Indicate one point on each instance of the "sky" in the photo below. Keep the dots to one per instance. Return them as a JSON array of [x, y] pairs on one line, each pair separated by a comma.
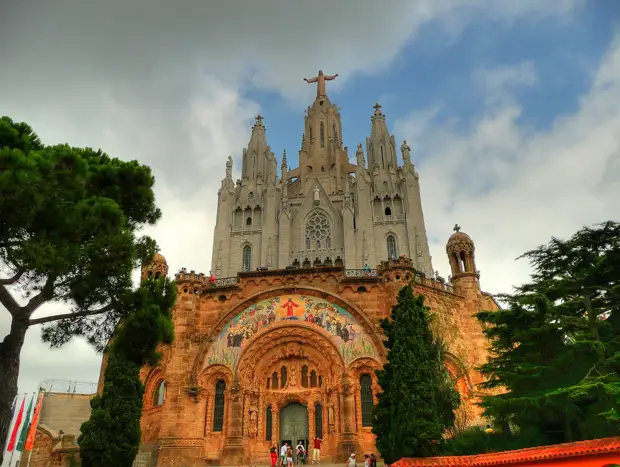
[[511, 109]]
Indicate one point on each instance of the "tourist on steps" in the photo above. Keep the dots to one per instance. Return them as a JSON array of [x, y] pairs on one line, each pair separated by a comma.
[[283, 451], [274, 456], [316, 453], [289, 457], [351, 461], [301, 453]]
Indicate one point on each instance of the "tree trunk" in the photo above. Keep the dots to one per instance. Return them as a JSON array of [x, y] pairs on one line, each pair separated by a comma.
[[10, 350]]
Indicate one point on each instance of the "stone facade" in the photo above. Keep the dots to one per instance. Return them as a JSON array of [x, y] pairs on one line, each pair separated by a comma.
[[251, 350], [282, 340], [328, 211]]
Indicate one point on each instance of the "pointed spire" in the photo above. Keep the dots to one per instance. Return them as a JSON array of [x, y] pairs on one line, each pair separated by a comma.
[[284, 164], [259, 123], [377, 108]]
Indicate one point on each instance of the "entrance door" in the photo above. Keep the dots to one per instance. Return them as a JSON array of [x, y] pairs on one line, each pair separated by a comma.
[[294, 426]]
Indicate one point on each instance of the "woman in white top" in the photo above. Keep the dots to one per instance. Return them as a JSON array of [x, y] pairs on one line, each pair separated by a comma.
[[351, 461]]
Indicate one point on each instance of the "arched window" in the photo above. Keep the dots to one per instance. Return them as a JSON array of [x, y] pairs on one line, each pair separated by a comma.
[[391, 247], [268, 382], [318, 420], [322, 135], [328, 242], [366, 398], [254, 166], [313, 379], [385, 187], [320, 381], [274, 380], [218, 406], [160, 393], [247, 258], [388, 211], [310, 132], [304, 376], [248, 221], [283, 377], [382, 158], [463, 262], [308, 244], [268, 423]]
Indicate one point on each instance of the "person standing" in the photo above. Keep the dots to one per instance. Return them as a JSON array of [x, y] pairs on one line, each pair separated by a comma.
[[351, 462], [373, 460], [316, 453], [274, 456], [283, 451], [301, 453]]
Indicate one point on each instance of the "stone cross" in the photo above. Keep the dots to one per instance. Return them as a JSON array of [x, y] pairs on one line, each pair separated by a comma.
[[377, 108], [457, 228]]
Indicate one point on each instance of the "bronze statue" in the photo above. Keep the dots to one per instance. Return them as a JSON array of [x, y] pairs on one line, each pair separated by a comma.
[[320, 80]]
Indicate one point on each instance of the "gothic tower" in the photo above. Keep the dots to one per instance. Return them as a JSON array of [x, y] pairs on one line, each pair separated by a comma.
[[327, 211], [465, 277]]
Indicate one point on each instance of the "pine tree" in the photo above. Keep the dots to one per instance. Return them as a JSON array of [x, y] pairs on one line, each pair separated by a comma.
[[111, 436], [418, 399], [555, 347]]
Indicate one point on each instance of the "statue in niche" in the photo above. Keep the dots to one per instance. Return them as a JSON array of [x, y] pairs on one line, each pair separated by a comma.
[[330, 418], [359, 155], [317, 194], [229, 164], [405, 151], [293, 378], [253, 426]]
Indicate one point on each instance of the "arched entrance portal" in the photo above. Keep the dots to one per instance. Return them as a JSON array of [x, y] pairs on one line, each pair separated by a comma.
[[294, 425]]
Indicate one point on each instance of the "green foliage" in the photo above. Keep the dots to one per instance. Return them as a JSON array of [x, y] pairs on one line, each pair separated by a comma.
[[560, 362], [418, 399], [112, 434], [69, 219]]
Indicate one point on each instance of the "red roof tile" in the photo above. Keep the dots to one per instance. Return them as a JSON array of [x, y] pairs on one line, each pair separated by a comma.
[[556, 451]]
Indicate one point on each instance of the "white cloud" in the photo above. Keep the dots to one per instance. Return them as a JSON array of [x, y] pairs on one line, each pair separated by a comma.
[[163, 82], [512, 187]]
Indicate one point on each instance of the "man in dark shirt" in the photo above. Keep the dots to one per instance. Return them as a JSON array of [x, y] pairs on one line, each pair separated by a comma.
[[316, 453]]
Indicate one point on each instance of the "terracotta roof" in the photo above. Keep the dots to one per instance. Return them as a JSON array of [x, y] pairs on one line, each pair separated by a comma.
[[557, 451]]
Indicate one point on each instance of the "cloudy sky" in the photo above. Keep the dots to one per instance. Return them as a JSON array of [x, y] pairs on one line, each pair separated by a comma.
[[510, 108]]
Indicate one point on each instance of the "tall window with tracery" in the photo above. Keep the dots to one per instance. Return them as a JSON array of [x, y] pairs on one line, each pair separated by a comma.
[[366, 399], [318, 420], [218, 406], [247, 258], [391, 247], [158, 398], [322, 135], [318, 230]]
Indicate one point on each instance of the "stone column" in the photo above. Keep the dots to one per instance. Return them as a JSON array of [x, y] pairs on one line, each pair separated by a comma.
[[349, 441], [275, 426], [260, 433], [232, 452], [311, 420]]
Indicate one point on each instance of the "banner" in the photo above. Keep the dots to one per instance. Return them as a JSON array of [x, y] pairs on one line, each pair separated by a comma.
[[25, 428], [32, 431], [18, 422]]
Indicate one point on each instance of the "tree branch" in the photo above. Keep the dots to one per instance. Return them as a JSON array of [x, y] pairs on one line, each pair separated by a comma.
[[8, 301], [12, 280], [79, 314], [46, 294]]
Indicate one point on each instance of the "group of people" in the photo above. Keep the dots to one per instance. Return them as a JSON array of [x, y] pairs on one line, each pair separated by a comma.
[[286, 454]]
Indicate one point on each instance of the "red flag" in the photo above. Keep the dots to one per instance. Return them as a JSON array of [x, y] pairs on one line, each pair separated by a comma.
[[18, 422], [33, 425]]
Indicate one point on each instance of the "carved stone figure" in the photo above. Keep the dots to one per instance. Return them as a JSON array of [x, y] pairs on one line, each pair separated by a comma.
[[317, 194], [320, 80], [229, 164], [405, 151]]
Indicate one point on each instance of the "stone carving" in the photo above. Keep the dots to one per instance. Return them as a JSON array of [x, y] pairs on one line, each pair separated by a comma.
[[406, 152], [317, 194], [229, 164], [253, 426], [320, 80]]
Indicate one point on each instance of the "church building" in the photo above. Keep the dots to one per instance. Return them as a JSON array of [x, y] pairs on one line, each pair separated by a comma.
[[281, 341]]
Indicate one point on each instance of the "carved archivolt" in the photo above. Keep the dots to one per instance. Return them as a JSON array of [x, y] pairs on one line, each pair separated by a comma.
[[363, 320]]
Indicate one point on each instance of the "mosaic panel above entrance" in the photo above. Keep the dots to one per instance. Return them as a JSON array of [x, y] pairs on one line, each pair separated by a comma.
[[329, 319]]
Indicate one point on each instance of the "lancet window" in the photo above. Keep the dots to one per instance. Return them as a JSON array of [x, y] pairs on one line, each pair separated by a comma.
[[218, 406], [366, 399], [160, 392]]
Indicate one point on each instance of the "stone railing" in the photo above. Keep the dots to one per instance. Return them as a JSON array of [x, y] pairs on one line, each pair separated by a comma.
[[387, 220], [360, 273], [433, 283], [226, 282], [246, 229], [184, 276]]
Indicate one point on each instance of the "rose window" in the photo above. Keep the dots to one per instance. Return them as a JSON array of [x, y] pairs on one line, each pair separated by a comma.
[[318, 232]]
